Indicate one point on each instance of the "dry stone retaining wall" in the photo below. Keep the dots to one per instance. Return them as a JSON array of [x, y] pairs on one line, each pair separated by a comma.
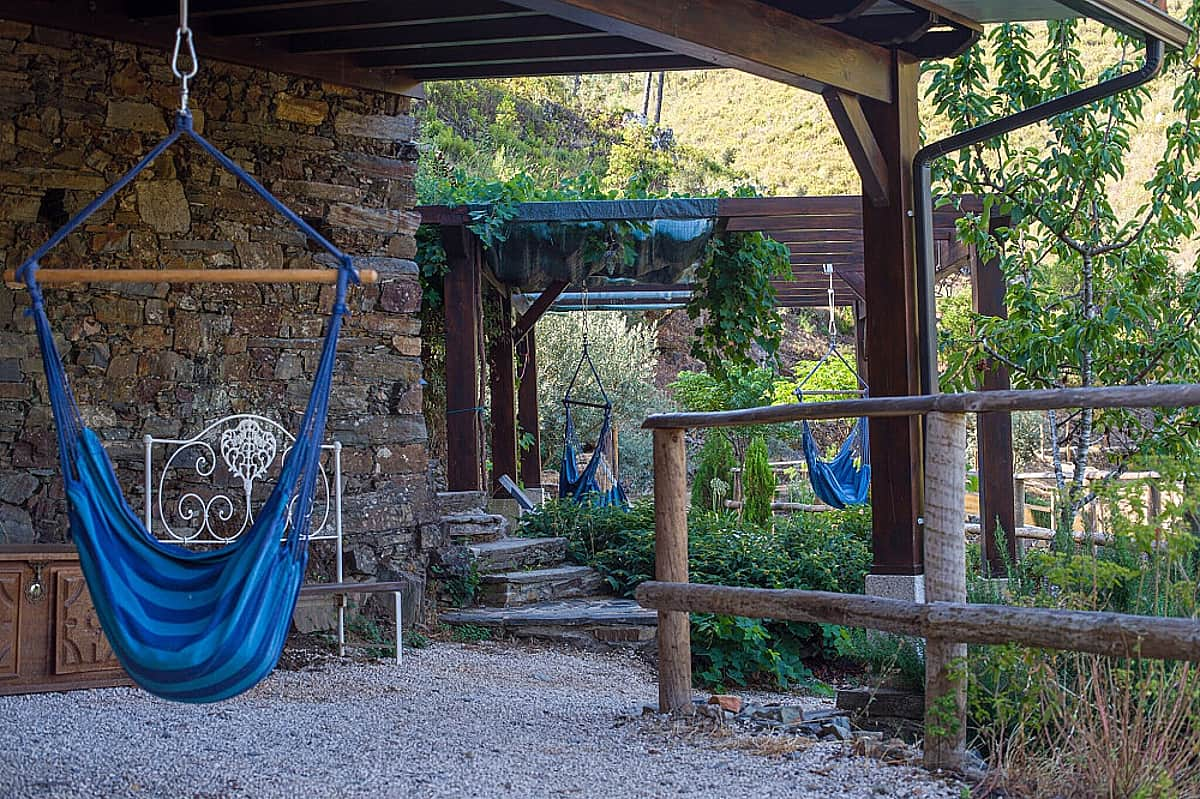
[[75, 113]]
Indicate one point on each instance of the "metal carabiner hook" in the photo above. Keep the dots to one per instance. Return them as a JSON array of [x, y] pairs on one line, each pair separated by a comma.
[[181, 34]]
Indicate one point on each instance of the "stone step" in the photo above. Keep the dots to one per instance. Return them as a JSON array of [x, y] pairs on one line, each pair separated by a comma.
[[594, 624], [506, 589], [461, 501], [511, 554], [470, 528]]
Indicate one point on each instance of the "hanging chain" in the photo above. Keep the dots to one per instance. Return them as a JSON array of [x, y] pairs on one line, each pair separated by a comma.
[[184, 33]]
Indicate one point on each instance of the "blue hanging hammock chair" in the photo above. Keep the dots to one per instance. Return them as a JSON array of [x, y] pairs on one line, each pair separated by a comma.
[[188, 626], [596, 482], [845, 479]]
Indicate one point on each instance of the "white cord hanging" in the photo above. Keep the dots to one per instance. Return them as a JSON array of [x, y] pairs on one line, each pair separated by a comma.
[[832, 350]]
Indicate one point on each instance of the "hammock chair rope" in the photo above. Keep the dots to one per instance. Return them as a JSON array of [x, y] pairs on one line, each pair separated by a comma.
[[186, 625], [846, 478]]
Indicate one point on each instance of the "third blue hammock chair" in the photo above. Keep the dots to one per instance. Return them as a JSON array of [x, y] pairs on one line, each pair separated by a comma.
[[596, 482], [846, 478]]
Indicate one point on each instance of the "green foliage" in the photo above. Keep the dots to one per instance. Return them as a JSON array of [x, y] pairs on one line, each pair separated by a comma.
[[458, 583], [758, 483], [470, 633], [717, 462], [1096, 294], [733, 650], [892, 659], [414, 639], [825, 552], [735, 303], [735, 388]]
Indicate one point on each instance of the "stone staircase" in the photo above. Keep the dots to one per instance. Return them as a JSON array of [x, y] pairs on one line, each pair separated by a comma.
[[527, 590]]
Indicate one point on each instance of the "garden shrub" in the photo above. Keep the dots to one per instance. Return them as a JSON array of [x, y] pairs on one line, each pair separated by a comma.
[[820, 551], [758, 483], [717, 462]]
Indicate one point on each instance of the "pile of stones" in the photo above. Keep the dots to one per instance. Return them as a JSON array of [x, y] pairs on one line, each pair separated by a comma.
[[728, 709]]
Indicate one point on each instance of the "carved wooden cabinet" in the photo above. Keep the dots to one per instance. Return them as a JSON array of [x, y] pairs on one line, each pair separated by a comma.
[[50, 638]]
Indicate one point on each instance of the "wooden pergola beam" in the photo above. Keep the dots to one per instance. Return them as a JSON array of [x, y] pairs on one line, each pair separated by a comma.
[[539, 307], [752, 37], [864, 151]]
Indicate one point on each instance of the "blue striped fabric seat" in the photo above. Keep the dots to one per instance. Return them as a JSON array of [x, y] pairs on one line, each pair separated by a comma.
[[186, 625]]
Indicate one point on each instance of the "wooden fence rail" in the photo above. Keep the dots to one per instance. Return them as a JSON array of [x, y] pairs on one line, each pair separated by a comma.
[[1159, 396], [946, 621]]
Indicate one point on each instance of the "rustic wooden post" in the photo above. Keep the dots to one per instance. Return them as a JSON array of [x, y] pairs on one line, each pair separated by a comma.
[[502, 383], [671, 565], [464, 428], [527, 412], [945, 581], [994, 428], [889, 269], [1019, 501]]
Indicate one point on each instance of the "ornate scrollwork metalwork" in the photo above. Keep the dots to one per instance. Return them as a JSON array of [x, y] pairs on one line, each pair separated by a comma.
[[233, 483]]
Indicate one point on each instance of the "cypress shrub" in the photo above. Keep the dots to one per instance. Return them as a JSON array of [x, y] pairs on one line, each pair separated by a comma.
[[758, 483]]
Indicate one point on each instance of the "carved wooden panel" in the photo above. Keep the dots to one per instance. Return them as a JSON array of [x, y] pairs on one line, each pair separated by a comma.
[[10, 622], [80, 645]]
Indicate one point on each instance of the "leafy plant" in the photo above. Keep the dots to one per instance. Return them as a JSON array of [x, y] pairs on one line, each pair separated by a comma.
[[717, 463], [735, 301], [1095, 295], [826, 552], [414, 639], [470, 633], [459, 583], [758, 483]]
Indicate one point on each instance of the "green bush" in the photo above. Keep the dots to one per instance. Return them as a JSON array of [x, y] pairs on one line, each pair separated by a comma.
[[819, 551], [717, 462], [758, 483]]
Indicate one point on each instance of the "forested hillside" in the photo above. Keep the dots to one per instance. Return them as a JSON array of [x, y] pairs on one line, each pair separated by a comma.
[[718, 129]]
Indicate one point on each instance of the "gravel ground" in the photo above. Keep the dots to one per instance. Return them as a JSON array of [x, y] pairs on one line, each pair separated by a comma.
[[487, 720]]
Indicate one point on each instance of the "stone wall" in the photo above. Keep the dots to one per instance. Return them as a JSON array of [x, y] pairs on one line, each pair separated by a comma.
[[75, 113]]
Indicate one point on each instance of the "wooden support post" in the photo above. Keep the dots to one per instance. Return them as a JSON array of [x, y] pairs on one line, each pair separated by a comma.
[[889, 268], [671, 565], [464, 426], [1019, 501], [860, 340], [502, 383], [996, 500], [527, 411], [945, 581]]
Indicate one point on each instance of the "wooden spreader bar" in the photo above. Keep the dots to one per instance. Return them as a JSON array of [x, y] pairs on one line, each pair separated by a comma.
[[57, 276]]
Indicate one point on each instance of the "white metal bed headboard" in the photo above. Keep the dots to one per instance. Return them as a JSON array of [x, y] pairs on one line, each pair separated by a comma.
[[217, 473]]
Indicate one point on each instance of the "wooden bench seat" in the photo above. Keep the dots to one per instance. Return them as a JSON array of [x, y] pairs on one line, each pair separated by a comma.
[[344, 589]]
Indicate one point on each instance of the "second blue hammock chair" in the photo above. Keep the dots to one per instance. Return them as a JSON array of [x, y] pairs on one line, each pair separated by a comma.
[[845, 479], [596, 482], [188, 626]]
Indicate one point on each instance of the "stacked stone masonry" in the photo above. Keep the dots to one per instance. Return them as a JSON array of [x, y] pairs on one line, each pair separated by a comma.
[[75, 113]]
